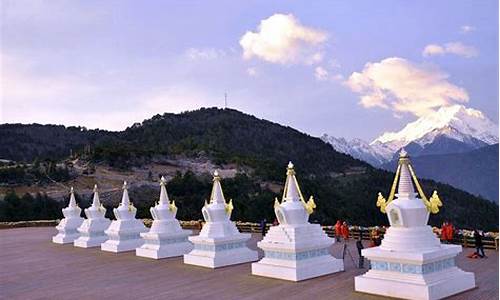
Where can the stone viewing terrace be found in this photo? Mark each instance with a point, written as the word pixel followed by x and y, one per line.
pixel 31 267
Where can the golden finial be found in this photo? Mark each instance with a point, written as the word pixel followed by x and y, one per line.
pixel 229 207
pixel 216 176
pixel 310 205
pixel 172 206
pixel 381 202
pixel 434 203
pixel 289 169
pixel 276 202
pixel 403 153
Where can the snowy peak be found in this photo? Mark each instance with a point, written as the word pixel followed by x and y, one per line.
pixel 451 129
pixel 456 122
pixel 358 149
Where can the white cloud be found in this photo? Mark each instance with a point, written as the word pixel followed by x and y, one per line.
pixel 467 28
pixel 401 86
pixel 282 39
pixel 252 72
pixel 456 48
pixel 320 73
pixel 433 49
pixel 204 53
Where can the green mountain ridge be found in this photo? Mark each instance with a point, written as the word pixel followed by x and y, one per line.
pixel 344 188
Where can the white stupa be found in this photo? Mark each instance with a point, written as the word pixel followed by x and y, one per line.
pixel 68 226
pixel 124 232
pixel 219 243
pixel 295 249
pixel 92 230
pixel 166 238
pixel 411 263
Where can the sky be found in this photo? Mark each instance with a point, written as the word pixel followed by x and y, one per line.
pixel 350 69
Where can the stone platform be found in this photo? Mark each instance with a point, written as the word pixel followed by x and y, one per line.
pixel 31 267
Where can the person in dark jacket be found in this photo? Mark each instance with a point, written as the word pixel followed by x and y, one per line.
pixel 478 239
pixel 359 246
pixel 263 227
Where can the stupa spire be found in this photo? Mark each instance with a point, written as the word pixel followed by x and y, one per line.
pixel 292 190
pixel 217 196
pixel 163 191
pixel 405 186
pixel 406 181
pixel 125 198
pixel 96 202
pixel 72 200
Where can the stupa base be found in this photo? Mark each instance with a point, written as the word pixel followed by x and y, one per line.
pixel 90 241
pixel 121 245
pixel 65 238
pixel 222 258
pixel 438 285
pixel 425 275
pixel 156 251
pixel 297 270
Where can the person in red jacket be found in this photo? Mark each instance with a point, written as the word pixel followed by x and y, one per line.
pixel 449 233
pixel 338 230
pixel 345 231
pixel 444 229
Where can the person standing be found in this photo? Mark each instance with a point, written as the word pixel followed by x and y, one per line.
pixel 338 230
pixel 263 227
pixel 345 231
pixel 375 238
pixel 444 229
pixel 478 239
pixel 450 232
pixel 359 246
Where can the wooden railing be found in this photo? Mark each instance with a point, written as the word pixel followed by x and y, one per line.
pixel 465 241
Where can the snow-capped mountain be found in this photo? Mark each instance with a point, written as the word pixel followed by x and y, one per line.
pixel 451 129
pixel 359 149
pixel 456 122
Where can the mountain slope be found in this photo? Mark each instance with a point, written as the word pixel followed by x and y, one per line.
pixel 344 188
pixel 474 171
pixel 228 136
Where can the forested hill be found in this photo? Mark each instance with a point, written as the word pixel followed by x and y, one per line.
pixel 228 136
pixel 343 187
pixel 25 143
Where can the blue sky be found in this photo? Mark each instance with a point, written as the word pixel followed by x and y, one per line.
pixel 346 68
